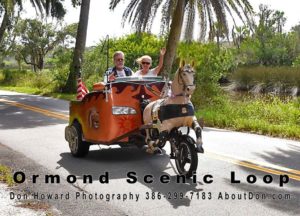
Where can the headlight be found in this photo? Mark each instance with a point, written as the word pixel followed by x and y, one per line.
pixel 122 110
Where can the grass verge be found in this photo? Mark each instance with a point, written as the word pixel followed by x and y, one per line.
pixel 36 91
pixel 267 116
pixel 6 175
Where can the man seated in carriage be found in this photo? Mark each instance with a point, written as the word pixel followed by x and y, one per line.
pixel 119 70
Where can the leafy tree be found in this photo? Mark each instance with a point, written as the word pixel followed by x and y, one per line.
pixel 59 63
pixel 279 20
pixel 37 39
pixel 239 34
pixel 8 7
pixel 8 41
pixel 212 63
pixel 140 13
pixel 296 62
pixel 296 30
pixel 249 51
pixel 268 45
pixel 217 31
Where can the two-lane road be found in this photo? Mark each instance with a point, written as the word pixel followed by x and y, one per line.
pixel 34 126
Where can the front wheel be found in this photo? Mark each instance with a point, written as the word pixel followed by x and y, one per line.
pixel 78 147
pixel 186 158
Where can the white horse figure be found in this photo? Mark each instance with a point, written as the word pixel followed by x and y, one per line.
pixel 173 111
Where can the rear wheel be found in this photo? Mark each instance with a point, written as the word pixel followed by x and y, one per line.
pixel 78 147
pixel 186 158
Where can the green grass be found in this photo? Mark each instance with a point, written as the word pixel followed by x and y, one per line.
pixel 6 175
pixel 36 91
pixel 22 89
pixel 268 116
pixel 45 83
pixel 269 78
pixel 63 96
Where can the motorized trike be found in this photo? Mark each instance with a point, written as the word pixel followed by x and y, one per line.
pixel 113 114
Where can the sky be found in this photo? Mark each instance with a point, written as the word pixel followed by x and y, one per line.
pixel 102 21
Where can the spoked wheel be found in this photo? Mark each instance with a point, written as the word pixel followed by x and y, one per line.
pixel 186 158
pixel 78 147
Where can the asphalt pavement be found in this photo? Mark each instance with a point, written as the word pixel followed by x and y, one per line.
pixel 33 128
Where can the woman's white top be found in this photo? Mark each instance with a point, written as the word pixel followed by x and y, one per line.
pixel 150 73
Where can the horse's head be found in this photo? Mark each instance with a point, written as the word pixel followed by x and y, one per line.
pixel 186 78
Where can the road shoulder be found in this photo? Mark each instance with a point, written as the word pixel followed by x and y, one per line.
pixel 19 162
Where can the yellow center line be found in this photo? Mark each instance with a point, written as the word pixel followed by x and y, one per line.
pixel 256 166
pixel 260 163
pixel 36 109
pixel 261 166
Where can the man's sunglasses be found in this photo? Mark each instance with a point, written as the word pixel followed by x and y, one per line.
pixel 147 63
pixel 120 60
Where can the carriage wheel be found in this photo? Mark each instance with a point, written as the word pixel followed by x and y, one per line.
pixel 78 147
pixel 186 158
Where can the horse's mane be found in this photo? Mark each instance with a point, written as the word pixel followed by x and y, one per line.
pixel 175 79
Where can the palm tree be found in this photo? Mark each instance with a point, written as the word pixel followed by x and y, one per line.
pixel 280 20
pixel 71 84
pixel 140 13
pixel 217 31
pixel 6 12
pixel 239 34
pixel 49 7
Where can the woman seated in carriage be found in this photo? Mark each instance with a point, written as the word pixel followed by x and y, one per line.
pixel 145 63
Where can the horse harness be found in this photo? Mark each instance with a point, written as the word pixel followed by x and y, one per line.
pixel 162 112
pixel 185 86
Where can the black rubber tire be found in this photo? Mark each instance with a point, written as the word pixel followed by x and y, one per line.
pixel 186 154
pixel 78 147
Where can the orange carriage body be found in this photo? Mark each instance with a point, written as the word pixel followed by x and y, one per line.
pixel 95 112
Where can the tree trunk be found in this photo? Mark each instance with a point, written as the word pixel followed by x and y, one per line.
pixel 41 62
pixel 71 85
pixel 174 37
pixel 218 38
pixel 19 64
pixel 3 26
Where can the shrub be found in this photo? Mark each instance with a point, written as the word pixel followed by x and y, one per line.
pixel 211 64
pixel 11 76
pixel 296 62
pixel 60 67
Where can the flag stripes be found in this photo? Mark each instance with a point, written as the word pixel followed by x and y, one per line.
pixel 81 89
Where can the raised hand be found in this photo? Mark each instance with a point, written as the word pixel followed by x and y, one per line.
pixel 163 51
pixel 111 77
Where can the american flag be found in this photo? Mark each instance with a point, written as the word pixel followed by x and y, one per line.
pixel 81 89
